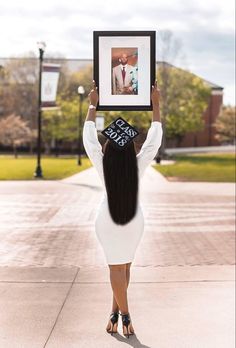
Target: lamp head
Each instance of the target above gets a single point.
(41, 45)
(81, 90)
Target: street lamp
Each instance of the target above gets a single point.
(81, 92)
(38, 172)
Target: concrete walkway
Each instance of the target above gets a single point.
(54, 281)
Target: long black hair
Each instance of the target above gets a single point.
(121, 181)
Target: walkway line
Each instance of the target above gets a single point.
(67, 295)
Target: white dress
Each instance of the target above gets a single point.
(119, 242)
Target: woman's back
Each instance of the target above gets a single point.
(120, 241)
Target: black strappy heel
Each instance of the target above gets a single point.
(126, 321)
(114, 316)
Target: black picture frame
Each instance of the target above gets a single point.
(108, 101)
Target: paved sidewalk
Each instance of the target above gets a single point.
(54, 281)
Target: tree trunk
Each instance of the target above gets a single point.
(47, 148)
(15, 151)
(31, 147)
(179, 140)
(56, 148)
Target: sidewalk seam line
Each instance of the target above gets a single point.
(108, 282)
(62, 306)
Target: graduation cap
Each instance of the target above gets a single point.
(120, 133)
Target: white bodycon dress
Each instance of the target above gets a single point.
(119, 242)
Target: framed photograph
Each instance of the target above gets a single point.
(124, 69)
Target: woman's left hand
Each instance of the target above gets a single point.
(93, 95)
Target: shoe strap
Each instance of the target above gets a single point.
(124, 314)
(114, 314)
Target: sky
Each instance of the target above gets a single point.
(203, 29)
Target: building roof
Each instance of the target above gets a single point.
(210, 84)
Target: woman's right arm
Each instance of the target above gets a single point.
(154, 136)
(155, 96)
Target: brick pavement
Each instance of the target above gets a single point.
(54, 282)
(51, 223)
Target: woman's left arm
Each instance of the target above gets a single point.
(93, 98)
(91, 143)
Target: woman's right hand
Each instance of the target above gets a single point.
(155, 96)
(93, 95)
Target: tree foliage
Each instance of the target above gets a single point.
(225, 125)
(14, 131)
(18, 88)
(82, 77)
(184, 98)
(63, 124)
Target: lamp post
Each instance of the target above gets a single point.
(81, 92)
(38, 172)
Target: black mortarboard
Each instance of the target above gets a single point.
(120, 133)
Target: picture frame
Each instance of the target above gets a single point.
(124, 69)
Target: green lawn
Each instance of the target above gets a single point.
(194, 167)
(200, 167)
(22, 168)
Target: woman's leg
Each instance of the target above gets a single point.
(119, 286)
(115, 306)
(128, 265)
(120, 276)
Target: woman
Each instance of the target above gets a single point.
(119, 222)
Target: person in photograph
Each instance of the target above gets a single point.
(119, 222)
(124, 77)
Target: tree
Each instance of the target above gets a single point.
(19, 89)
(59, 126)
(186, 99)
(62, 125)
(19, 86)
(225, 125)
(170, 49)
(14, 131)
(184, 96)
(83, 77)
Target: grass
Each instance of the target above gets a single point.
(207, 167)
(194, 167)
(23, 168)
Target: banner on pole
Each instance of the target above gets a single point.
(50, 77)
